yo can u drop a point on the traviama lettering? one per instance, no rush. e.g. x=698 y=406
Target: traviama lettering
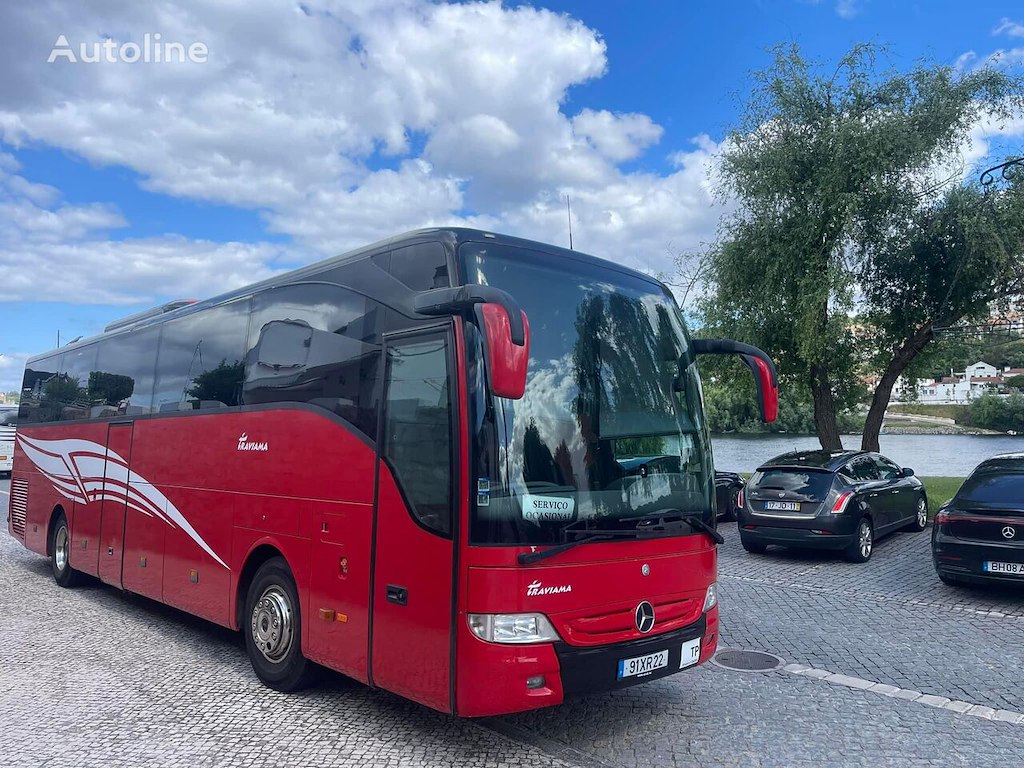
x=245 y=445
x=535 y=588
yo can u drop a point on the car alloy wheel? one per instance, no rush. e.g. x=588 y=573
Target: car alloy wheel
x=864 y=539
x=922 y=513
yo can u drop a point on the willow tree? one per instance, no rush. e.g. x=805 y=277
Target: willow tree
x=954 y=260
x=825 y=165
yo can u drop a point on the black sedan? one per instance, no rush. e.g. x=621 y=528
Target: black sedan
x=727 y=492
x=979 y=534
x=839 y=500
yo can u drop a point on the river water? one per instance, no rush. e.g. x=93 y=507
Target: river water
x=928 y=455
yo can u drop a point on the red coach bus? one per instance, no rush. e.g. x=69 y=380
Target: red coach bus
x=466 y=468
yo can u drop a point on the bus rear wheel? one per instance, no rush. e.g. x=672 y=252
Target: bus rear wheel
x=60 y=554
x=273 y=629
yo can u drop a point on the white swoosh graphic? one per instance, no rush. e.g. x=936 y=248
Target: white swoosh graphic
x=84 y=471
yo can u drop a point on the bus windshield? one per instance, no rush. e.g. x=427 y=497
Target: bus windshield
x=601 y=436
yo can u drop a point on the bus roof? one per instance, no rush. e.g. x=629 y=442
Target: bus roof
x=453 y=236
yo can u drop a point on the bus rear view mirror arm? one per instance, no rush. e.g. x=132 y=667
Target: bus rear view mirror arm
x=766 y=378
x=452 y=301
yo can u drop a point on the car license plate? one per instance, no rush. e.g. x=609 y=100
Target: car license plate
x=1014 y=569
x=642 y=665
x=788 y=506
x=691 y=653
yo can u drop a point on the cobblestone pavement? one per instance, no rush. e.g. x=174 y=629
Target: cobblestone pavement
x=93 y=676
x=889 y=620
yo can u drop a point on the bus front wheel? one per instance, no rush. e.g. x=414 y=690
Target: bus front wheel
x=60 y=553
x=273 y=628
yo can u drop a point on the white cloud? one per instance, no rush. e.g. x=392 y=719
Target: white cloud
x=1008 y=27
x=339 y=122
x=12 y=367
x=616 y=137
x=847 y=9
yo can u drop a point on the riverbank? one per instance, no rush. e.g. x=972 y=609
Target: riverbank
x=930 y=454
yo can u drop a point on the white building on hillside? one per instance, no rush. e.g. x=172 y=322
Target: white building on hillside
x=961 y=388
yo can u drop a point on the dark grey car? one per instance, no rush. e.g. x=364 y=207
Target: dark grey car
x=842 y=500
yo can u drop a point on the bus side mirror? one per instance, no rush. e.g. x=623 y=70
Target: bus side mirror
x=506 y=361
x=506 y=332
x=765 y=377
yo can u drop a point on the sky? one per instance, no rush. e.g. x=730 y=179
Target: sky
x=299 y=130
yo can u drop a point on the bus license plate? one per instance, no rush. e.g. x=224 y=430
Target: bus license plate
x=1014 y=569
x=642 y=665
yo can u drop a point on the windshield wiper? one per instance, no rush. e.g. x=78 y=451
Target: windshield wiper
x=646 y=525
x=694 y=520
x=525 y=558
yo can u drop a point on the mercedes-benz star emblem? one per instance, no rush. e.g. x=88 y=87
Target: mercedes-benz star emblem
x=644 y=616
x=1009 y=532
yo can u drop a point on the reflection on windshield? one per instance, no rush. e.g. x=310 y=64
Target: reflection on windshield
x=599 y=435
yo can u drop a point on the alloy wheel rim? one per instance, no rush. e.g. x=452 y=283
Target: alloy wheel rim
x=272 y=624
x=60 y=548
x=865 y=540
x=922 y=513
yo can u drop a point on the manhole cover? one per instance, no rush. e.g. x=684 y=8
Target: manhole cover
x=746 y=661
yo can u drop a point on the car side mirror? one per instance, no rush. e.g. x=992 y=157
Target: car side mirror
x=908 y=472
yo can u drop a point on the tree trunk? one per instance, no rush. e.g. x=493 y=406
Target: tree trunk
x=824 y=409
x=880 y=401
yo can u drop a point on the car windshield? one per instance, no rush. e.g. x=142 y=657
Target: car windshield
x=992 y=489
x=600 y=437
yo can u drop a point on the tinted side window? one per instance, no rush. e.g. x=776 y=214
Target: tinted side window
x=420 y=267
x=417 y=429
x=886 y=469
x=71 y=388
x=122 y=383
x=339 y=374
x=861 y=469
x=199 y=362
x=38 y=404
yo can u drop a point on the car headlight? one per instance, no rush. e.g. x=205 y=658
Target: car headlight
x=512 y=627
x=711 y=598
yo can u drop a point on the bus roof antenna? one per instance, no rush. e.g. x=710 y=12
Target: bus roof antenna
x=568 y=213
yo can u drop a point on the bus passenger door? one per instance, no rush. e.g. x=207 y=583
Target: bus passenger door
x=413 y=606
x=114 y=501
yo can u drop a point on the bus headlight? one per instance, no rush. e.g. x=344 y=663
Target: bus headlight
x=711 y=598
x=512 y=627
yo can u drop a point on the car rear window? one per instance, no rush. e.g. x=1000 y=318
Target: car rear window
x=803 y=481
x=995 y=489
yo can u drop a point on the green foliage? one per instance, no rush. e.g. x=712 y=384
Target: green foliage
x=940 y=490
x=955 y=412
x=223 y=383
x=1015 y=382
x=63 y=389
x=110 y=388
x=828 y=164
x=730 y=408
x=1004 y=414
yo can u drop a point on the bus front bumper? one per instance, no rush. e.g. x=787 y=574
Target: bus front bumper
x=498 y=679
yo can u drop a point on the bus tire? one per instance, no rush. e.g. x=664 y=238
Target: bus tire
x=59 y=547
x=273 y=629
